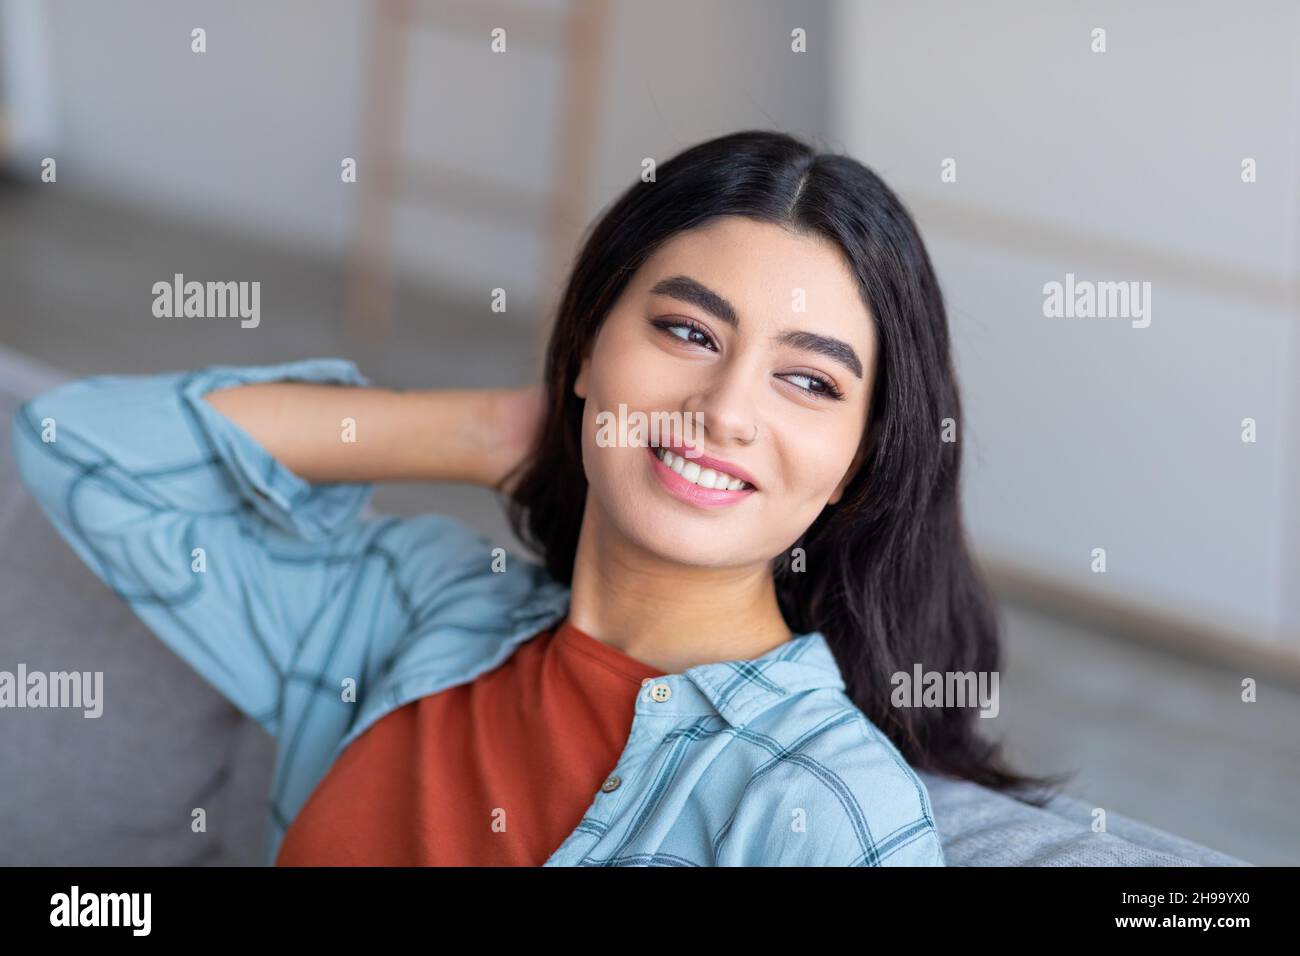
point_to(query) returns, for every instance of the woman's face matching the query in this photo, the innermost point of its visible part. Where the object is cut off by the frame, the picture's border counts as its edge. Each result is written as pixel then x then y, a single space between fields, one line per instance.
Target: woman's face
pixel 798 335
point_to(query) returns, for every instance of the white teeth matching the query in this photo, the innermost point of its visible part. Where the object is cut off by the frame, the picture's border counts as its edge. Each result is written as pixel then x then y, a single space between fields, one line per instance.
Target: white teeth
pixel 704 477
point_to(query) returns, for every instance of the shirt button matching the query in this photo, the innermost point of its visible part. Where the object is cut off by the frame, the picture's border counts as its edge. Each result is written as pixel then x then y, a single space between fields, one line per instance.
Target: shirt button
pixel 660 692
pixel 611 783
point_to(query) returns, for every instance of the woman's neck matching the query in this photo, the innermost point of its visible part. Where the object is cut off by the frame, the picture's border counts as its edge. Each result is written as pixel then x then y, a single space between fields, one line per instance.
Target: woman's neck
pixel 666 614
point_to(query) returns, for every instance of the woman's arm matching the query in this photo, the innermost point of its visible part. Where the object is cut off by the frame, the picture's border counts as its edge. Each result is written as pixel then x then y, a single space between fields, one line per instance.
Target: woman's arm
pixel 226 555
pixel 236 562
pixel 335 433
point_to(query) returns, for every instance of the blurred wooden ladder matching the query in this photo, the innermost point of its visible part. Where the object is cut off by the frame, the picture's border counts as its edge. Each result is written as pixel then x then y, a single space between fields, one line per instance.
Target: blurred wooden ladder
pixel 579 34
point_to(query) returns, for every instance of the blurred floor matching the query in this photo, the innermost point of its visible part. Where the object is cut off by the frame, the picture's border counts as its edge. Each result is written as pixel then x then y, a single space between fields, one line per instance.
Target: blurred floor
pixel 1163 740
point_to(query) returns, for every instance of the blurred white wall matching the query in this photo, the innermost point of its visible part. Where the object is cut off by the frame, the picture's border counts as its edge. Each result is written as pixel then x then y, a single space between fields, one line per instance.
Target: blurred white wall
pixel 1125 165
pixel 1122 165
pixel 249 135
pixel 26 79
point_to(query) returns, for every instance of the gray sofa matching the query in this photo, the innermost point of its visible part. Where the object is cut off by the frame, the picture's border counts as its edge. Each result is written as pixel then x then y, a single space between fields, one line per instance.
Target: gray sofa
pixel 120 789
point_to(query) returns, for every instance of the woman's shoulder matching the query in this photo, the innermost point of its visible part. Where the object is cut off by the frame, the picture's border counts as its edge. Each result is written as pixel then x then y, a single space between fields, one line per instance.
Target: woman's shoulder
pixel 840 794
pixel 442 567
pixel 433 541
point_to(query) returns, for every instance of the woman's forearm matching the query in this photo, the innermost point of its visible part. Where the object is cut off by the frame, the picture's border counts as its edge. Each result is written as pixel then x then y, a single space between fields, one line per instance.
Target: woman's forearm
pixel 336 433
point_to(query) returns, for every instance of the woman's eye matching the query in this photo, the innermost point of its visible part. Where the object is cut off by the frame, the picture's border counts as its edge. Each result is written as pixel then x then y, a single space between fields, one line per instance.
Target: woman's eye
pixel 693 334
pixel 823 388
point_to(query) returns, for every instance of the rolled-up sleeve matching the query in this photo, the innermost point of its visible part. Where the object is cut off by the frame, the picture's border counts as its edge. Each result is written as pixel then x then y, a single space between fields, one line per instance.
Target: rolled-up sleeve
pixel 219 548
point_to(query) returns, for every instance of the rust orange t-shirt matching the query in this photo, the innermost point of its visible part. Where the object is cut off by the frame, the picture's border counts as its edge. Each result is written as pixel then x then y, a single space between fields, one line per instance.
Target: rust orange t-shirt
pixel 494 772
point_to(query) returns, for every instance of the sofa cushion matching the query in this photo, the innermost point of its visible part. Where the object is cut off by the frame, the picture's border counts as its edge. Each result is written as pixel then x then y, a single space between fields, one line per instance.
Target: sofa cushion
pixel 981 827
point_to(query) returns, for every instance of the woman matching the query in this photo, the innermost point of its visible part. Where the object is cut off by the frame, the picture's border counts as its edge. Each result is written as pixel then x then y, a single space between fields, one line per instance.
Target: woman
pixel 700 672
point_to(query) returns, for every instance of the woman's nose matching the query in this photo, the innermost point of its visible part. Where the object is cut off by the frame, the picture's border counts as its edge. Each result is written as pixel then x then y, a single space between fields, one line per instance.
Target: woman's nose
pixel 727 411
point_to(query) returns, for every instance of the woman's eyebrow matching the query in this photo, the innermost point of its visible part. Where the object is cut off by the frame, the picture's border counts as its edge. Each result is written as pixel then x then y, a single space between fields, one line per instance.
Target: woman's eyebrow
pixel 690 290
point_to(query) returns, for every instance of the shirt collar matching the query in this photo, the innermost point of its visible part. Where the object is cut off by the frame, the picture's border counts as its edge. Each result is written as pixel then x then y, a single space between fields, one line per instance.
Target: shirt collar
pixel 736 690
pixel 740 690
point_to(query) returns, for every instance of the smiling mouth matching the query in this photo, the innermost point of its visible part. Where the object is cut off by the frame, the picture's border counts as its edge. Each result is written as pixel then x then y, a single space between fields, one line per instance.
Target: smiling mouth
pixel 711 479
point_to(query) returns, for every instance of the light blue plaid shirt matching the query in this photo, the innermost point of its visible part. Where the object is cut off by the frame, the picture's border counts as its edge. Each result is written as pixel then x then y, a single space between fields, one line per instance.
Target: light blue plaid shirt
pixel 298 595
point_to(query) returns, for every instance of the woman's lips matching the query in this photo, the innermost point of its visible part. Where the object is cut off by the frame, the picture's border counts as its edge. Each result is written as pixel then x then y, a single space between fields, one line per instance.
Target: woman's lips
pixel 688 491
pixel 717 464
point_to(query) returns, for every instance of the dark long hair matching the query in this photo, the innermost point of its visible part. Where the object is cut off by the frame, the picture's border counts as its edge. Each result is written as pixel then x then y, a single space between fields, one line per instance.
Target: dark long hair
pixel 887 577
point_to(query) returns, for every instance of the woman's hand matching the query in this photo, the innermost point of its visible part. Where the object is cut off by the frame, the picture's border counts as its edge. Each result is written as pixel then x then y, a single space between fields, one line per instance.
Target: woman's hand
pixel 515 416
